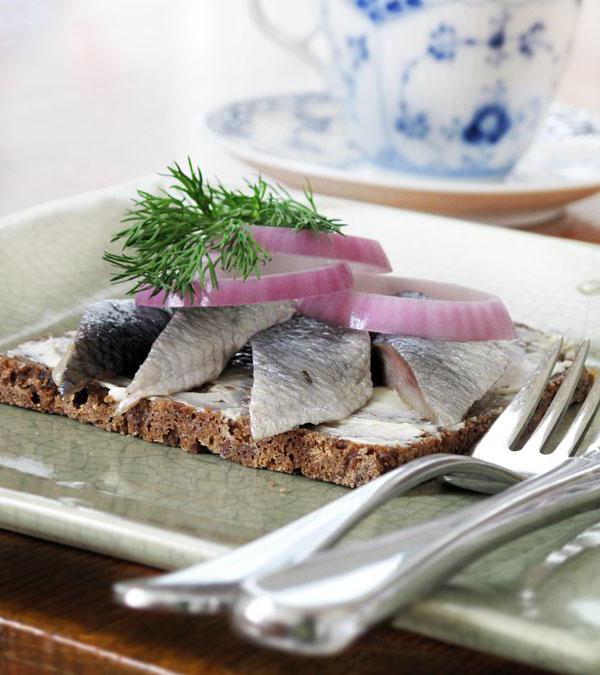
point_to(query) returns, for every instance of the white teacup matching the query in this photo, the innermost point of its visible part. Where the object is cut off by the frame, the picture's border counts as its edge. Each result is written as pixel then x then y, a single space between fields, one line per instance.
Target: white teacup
pixel 441 87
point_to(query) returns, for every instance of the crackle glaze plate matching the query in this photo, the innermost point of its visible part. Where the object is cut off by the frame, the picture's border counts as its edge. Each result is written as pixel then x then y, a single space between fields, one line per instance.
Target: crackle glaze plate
pixel 537 599
pixel 302 137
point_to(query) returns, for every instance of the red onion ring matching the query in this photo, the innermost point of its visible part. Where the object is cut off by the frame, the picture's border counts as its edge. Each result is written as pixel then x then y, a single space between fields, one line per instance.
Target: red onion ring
pixel 272 286
pixel 448 313
pixel 363 255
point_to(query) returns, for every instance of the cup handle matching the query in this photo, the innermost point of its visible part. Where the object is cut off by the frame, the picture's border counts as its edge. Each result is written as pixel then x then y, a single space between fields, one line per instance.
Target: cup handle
pixel 300 47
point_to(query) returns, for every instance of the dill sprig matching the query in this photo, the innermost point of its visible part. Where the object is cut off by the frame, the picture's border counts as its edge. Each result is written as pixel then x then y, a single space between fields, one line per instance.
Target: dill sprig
pixel 184 234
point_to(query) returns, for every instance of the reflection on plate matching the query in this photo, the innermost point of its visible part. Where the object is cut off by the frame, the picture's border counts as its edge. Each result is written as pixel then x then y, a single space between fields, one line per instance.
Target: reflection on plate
pixel 302 137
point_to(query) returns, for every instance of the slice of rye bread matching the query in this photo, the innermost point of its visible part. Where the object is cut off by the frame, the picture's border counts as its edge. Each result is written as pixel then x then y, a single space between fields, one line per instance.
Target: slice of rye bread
pixel 28 384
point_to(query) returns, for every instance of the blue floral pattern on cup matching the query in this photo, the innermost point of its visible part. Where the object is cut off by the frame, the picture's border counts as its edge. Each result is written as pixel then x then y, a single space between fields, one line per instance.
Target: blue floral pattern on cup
pixel 382 10
pixel 488 125
pixel 359 50
pixel 491 120
pixel 389 54
pixel 443 43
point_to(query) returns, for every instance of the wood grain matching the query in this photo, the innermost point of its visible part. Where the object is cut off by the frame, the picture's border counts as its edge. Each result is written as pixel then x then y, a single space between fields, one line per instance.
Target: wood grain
pixel 56 616
pixel 580 222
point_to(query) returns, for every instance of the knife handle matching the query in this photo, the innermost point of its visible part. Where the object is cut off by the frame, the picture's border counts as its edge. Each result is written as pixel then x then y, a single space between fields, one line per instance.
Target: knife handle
pixel 320 606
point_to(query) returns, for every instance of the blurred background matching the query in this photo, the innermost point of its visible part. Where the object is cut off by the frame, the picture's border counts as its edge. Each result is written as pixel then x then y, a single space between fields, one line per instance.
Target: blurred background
pixel 101 91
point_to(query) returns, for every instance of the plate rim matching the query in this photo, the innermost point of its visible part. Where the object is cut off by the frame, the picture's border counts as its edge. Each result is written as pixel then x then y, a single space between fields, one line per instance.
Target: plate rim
pixel 424 624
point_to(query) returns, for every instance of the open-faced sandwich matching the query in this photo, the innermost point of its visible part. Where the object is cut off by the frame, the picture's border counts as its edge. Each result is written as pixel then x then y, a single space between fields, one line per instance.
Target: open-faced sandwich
pixel 260 332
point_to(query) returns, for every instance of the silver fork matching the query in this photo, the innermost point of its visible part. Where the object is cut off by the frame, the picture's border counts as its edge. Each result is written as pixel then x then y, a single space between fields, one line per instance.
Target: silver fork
pixel 212 586
pixel 321 605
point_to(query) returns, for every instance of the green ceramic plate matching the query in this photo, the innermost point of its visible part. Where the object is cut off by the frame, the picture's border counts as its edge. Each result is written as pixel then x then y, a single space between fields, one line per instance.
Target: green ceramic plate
pixel 537 599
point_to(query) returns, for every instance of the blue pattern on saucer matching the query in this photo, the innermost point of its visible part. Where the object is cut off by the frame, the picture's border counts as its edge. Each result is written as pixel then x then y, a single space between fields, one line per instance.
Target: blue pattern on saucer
pixel 309 128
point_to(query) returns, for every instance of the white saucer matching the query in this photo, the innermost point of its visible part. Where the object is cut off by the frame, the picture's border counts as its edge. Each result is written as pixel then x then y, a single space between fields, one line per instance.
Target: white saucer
pixel 302 137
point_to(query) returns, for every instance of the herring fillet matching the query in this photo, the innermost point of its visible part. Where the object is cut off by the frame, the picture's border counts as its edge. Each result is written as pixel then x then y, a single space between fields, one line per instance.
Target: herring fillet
pixel 196 345
pixel 440 380
pixel 113 337
pixel 307 372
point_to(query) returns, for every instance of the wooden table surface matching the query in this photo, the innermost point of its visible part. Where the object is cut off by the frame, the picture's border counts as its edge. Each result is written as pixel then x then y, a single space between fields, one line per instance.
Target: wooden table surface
pixel 98 92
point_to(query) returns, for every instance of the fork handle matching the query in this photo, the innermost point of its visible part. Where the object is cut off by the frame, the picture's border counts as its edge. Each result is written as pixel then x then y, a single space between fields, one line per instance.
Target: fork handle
pixel 320 606
pixel 211 586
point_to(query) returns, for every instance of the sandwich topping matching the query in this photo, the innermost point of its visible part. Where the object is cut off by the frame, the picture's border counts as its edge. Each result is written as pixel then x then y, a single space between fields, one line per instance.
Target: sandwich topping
pixel 253 302
pixel 196 345
pixel 113 337
pixel 385 419
pixel 307 372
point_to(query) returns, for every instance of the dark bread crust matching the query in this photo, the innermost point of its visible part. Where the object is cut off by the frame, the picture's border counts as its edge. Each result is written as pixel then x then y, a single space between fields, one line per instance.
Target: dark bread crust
pixel 29 385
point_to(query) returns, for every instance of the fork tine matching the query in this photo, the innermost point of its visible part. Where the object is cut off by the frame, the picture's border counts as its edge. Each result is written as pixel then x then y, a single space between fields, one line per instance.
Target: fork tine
pixel 517 414
pixel 560 403
pixel 594 446
pixel 580 424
